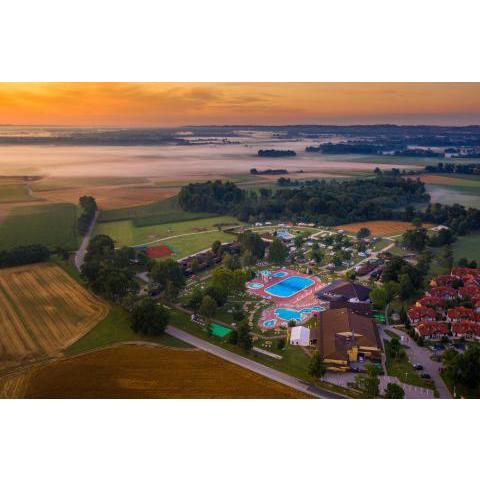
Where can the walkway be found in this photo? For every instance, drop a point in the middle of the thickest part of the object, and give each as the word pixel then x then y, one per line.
pixel 80 255
pixel 422 356
pixel 268 372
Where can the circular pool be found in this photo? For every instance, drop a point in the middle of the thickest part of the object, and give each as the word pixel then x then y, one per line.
pixel 255 285
pixel 269 323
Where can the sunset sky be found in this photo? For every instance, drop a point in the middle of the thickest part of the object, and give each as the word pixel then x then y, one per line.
pixel 176 104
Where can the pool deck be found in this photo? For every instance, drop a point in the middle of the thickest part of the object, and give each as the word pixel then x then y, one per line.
pixel 303 299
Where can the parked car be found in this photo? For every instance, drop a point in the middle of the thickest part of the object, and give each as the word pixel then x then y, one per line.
pixel 426 376
pixel 417 366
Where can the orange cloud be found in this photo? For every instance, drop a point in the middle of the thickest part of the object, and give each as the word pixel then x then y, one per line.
pixel 173 104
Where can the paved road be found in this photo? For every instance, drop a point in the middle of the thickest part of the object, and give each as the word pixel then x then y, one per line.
pixel 80 255
pixel 411 391
pixel 268 372
pixel 422 355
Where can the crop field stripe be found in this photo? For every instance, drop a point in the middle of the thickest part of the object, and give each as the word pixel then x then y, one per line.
pixel 42 310
pixel 23 338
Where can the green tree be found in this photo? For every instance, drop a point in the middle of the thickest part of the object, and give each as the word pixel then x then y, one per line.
pixel 363 233
pixel 168 270
pixel 208 307
pixel 278 252
pixel 281 343
pixel 369 382
pixel 244 337
pixel 394 391
pixel 195 299
pixel 316 367
pixel 149 318
pixel 171 292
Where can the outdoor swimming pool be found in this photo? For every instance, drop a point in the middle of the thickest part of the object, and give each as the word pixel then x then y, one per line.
pixel 288 314
pixel 269 323
pixel 255 285
pixel 290 286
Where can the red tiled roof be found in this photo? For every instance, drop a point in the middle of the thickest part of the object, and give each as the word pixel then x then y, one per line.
pixel 430 328
pixel 442 292
pixel 470 290
pixel 428 300
pixel 466 327
pixel 460 313
pixel 464 272
pixel 444 280
pixel 419 313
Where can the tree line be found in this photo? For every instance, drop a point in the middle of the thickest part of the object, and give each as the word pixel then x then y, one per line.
pixel 328 203
pixel 89 208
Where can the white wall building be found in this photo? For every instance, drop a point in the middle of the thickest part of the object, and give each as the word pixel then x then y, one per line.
pixel 300 336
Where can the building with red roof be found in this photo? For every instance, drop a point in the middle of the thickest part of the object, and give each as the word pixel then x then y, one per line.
pixel 471 290
pixel 466 329
pixel 443 281
pixel 457 314
pixel 429 301
pixel 432 330
pixel 447 293
pixel 419 314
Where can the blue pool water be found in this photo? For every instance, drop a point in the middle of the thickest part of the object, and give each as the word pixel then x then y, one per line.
pixel 255 285
pixel 288 314
pixel 290 286
pixel 269 323
pixel 279 274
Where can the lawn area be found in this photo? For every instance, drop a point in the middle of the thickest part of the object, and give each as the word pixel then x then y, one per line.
pixel 467 246
pixel 184 246
pixel 114 328
pixel 14 193
pixel 124 232
pixel 50 225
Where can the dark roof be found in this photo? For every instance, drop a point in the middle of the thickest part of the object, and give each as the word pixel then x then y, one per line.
pixel 347 290
pixel 336 331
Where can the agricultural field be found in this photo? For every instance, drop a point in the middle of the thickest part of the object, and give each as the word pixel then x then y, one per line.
pixel 381 228
pixel 467 246
pixel 51 225
pixel 124 232
pixel 134 371
pixel 42 311
pixel 13 193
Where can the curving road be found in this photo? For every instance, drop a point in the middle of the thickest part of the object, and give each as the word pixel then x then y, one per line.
pixel 80 255
pixel 268 372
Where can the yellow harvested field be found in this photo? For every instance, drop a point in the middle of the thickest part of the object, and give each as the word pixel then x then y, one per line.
pixel 142 371
pixel 42 311
pixel 381 228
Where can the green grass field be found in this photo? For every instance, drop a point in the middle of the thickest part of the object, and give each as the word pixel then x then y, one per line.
pixel 166 206
pixel 50 225
pixel 60 183
pixel 124 232
pixel 467 246
pixel 184 246
pixel 114 328
pixel 14 193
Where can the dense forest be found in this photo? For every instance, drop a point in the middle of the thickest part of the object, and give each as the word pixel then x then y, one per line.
pixel 24 255
pixel 325 202
pixel 464 169
pixel 276 153
pixel 367 148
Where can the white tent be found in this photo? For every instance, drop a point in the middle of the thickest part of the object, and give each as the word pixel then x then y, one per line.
pixel 300 336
